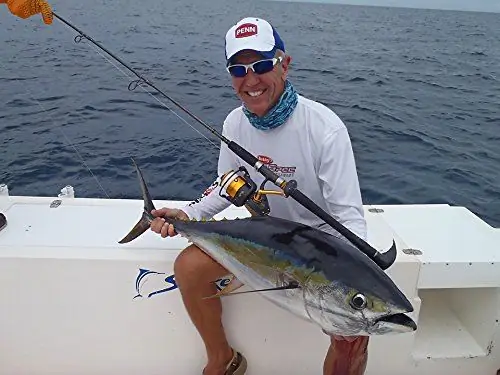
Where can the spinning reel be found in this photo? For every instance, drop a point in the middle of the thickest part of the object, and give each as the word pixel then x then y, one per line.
pixel 241 190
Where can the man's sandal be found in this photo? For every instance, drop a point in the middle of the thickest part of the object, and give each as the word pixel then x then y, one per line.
pixel 236 366
pixel 3 221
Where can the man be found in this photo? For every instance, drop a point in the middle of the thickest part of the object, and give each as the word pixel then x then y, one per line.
pixel 28 8
pixel 298 138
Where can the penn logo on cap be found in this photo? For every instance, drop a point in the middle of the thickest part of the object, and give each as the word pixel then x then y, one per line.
pixel 245 30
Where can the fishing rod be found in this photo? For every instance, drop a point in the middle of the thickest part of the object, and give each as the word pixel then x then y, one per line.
pixel 240 196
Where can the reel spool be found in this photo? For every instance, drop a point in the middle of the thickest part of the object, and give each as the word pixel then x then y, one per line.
pixel 241 190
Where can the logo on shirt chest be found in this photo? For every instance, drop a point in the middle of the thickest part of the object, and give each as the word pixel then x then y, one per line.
pixel 280 170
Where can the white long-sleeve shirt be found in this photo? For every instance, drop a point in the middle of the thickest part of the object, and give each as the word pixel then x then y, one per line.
pixel 313 147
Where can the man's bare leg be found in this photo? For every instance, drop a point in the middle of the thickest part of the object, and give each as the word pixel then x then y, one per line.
pixel 346 357
pixel 195 273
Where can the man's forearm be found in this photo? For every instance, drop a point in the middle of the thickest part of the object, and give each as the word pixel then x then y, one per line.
pixel 209 204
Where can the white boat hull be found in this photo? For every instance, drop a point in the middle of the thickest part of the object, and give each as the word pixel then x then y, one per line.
pixel 70 301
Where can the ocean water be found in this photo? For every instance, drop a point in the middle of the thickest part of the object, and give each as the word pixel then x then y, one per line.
pixel 419 91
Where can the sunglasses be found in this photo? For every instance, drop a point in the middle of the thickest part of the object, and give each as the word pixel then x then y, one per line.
pixel 258 67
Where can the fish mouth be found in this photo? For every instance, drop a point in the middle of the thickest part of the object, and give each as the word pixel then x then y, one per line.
pixel 400 320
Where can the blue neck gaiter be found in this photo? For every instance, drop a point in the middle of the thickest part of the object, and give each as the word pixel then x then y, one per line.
pixel 279 113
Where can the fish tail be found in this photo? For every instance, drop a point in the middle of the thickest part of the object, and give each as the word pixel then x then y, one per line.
pixel 144 222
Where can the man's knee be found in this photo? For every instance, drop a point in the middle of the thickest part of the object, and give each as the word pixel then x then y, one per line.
pixel 196 264
pixel 190 260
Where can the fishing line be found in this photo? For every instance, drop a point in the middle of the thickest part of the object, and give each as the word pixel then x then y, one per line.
pixel 67 139
pixel 132 87
pixel 142 81
pixel 72 146
pixel 134 84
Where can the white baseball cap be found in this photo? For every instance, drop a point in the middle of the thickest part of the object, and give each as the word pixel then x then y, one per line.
pixel 254 34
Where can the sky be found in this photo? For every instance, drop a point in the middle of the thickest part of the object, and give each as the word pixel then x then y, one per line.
pixel 468 5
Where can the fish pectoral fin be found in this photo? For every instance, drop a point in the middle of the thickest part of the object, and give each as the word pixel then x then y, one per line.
pixel 231 287
pixel 290 285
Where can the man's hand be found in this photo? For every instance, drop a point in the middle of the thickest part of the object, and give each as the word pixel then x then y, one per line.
pixel 27 8
pixel 159 225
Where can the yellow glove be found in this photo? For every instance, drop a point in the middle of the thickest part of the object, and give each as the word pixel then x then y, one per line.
pixel 28 8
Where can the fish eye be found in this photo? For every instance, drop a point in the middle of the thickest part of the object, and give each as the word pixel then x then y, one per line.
pixel 358 301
